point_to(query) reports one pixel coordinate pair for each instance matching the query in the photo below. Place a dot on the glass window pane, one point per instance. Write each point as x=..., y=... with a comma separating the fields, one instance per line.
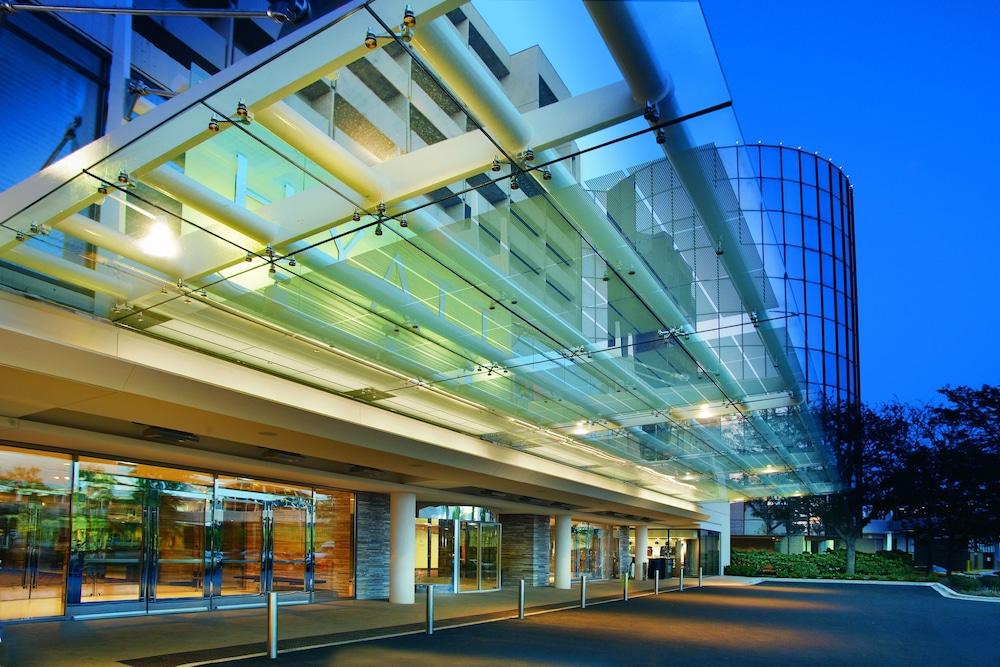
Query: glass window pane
x=34, y=532
x=334, y=544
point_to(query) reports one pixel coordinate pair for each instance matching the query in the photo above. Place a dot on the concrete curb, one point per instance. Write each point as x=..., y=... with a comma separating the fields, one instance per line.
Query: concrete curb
x=943, y=590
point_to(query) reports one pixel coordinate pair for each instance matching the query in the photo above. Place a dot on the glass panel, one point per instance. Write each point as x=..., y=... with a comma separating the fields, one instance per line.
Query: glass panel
x=468, y=564
x=434, y=551
x=34, y=532
x=289, y=548
x=108, y=533
x=490, y=556
x=257, y=486
x=446, y=551
x=180, y=570
x=334, y=545
x=241, y=542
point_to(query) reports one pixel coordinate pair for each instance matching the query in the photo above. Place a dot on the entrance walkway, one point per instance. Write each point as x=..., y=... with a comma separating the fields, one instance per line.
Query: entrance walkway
x=177, y=639
x=774, y=623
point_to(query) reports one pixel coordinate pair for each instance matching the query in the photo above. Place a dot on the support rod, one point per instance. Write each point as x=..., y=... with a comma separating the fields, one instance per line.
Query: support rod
x=274, y=15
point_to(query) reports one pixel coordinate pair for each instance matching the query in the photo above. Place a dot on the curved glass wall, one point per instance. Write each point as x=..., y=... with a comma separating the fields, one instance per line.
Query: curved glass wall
x=806, y=212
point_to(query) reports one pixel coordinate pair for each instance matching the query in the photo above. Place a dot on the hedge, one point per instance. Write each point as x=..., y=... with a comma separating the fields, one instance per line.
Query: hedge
x=885, y=566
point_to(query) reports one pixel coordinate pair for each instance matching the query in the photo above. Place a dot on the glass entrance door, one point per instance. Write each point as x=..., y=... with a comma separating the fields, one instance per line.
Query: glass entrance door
x=263, y=543
x=479, y=556
x=139, y=536
x=290, y=545
x=240, y=556
x=180, y=531
x=34, y=532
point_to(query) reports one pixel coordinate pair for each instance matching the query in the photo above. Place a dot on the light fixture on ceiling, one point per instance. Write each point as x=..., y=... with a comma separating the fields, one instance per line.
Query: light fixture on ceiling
x=409, y=18
x=513, y=183
x=496, y=165
x=403, y=223
x=159, y=241
x=546, y=175
x=371, y=42
x=661, y=136
x=378, y=229
x=356, y=216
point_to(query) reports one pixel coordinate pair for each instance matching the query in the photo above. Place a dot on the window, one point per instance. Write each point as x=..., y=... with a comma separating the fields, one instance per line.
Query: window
x=43, y=62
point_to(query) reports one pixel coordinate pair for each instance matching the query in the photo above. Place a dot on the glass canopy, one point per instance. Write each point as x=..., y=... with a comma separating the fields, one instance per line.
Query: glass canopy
x=404, y=225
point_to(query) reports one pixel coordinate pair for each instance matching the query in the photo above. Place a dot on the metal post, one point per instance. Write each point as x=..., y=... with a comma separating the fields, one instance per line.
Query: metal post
x=701, y=577
x=656, y=582
x=272, y=626
x=682, y=578
x=520, y=600
x=583, y=592
x=625, y=592
x=430, y=609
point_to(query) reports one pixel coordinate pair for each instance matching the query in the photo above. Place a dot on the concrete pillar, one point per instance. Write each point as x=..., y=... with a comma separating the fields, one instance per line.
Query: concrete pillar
x=564, y=542
x=641, y=544
x=402, y=539
x=888, y=541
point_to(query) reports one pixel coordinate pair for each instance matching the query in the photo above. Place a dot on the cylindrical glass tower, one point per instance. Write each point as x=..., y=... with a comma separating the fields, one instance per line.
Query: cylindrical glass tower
x=809, y=203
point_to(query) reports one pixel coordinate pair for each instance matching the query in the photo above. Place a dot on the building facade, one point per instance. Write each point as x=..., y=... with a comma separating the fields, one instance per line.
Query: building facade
x=342, y=307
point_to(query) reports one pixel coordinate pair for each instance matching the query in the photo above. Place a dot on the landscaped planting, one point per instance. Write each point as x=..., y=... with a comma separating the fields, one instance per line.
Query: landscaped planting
x=881, y=566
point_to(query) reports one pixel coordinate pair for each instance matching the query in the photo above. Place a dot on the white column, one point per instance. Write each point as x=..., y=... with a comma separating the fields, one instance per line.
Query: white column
x=888, y=541
x=641, y=544
x=564, y=540
x=402, y=539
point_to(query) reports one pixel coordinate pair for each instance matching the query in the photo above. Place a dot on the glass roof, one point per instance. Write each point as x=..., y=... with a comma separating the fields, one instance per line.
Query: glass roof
x=358, y=221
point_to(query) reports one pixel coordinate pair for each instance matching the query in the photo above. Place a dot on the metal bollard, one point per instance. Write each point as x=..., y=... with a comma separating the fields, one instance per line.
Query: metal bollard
x=272, y=626
x=520, y=600
x=701, y=577
x=430, y=609
x=583, y=592
x=682, y=578
x=656, y=582
x=625, y=592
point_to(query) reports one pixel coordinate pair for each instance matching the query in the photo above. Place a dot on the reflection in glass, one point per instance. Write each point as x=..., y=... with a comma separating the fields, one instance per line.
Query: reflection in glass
x=108, y=534
x=180, y=563
x=289, y=546
x=334, y=545
x=468, y=561
x=34, y=532
x=489, y=556
x=241, y=541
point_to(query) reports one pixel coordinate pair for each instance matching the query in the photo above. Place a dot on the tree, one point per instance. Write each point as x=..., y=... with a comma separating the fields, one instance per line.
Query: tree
x=948, y=489
x=869, y=445
x=778, y=512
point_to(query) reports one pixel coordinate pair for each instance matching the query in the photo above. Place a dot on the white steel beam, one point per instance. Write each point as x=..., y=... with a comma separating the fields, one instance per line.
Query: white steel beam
x=259, y=80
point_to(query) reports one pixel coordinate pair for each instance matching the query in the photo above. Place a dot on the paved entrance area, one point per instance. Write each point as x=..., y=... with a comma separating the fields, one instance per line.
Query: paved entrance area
x=766, y=625
x=771, y=623
x=176, y=639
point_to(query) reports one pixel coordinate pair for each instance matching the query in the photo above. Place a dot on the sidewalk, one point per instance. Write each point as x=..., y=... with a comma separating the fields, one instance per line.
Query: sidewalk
x=176, y=639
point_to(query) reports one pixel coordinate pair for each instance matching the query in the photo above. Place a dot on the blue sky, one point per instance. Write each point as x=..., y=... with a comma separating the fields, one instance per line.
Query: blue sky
x=906, y=95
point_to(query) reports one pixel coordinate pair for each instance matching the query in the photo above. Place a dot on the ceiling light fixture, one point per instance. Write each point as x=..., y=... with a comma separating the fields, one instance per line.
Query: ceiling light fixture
x=159, y=241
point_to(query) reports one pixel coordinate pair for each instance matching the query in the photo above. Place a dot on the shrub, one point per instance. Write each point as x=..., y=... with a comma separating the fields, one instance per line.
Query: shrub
x=963, y=583
x=882, y=566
